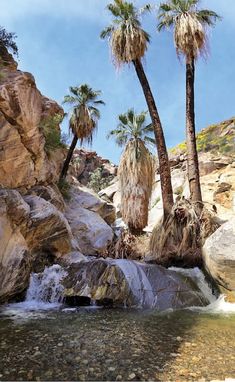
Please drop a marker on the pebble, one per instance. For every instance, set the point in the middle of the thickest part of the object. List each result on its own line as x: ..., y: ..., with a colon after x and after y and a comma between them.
x: 132, y: 376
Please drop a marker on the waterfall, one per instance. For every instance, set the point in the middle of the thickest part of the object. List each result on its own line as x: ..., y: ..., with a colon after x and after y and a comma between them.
x: 199, y: 278
x: 45, y: 289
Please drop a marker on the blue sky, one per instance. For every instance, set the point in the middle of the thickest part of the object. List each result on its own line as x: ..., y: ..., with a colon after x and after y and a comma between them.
x: 59, y: 44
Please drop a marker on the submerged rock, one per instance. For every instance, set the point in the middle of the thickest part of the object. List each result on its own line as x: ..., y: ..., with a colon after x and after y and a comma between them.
x: 130, y: 283
x: 219, y: 255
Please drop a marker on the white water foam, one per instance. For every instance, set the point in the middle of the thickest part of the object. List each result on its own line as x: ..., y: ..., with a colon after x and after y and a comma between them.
x: 217, y: 305
x: 199, y: 278
x: 45, y: 292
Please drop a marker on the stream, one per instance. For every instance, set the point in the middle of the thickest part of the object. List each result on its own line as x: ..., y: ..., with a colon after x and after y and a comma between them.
x: 42, y: 339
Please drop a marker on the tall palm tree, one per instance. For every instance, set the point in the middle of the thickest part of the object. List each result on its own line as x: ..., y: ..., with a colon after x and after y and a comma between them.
x: 189, y: 24
x: 136, y: 169
x: 129, y: 43
x: 83, y: 119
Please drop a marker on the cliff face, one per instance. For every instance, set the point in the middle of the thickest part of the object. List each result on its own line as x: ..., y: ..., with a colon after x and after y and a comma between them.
x: 23, y: 110
x: 36, y: 225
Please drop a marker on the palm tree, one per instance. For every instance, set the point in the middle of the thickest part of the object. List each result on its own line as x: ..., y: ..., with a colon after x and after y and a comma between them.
x: 132, y: 126
x: 190, y: 38
x: 129, y: 43
x: 83, y: 119
x: 136, y: 169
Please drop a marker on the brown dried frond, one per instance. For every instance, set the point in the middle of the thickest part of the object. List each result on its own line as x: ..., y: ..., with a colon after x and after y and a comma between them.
x: 83, y: 125
x: 179, y: 240
x: 190, y: 36
x: 136, y: 175
x: 128, y: 44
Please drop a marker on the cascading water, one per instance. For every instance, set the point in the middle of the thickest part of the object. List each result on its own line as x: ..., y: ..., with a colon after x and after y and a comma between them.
x: 46, y: 287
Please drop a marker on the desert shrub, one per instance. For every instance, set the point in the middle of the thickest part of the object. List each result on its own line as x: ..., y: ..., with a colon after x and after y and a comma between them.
x: 97, y: 181
x: 50, y: 129
x: 64, y: 188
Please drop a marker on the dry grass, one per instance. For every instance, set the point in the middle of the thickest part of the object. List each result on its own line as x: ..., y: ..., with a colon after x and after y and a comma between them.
x: 83, y: 125
x: 190, y: 36
x: 179, y: 240
x: 128, y: 246
x: 136, y: 175
x: 128, y: 44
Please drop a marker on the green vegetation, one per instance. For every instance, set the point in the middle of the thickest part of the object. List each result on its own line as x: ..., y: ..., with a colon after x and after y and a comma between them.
x: 7, y: 40
x: 64, y: 188
x: 97, y: 181
x: 51, y: 132
x: 218, y: 139
x: 156, y: 202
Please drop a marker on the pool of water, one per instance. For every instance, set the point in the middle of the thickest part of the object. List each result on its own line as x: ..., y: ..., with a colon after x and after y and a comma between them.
x: 115, y: 344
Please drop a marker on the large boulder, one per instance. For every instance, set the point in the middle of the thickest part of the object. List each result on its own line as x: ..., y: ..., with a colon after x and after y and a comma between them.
x: 47, y: 228
x: 81, y: 196
x: 129, y: 283
x: 91, y: 232
x: 219, y: 255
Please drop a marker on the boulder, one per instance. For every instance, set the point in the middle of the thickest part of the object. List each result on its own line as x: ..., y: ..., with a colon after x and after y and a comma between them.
x: 219, y: 255
x: 81, y: 196
x: 47, y: 228
x: 91, y: 232
x: 129, y: 283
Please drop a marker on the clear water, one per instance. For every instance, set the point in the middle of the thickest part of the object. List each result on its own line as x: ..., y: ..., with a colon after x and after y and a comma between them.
x: 40, y: 339
x: 115, y: 344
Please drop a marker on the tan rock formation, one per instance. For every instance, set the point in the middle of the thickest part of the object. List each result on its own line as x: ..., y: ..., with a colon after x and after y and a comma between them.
x: 23, y: 160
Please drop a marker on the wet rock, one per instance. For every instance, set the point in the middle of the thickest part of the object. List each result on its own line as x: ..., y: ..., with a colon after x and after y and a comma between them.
x: 133, y: 284
x: 219, y: 255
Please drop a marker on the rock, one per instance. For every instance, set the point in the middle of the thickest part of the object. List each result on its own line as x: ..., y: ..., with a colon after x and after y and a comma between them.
x: 223, y: 195
x: 86, y: 162
x: 31, y: 231
x: 47, y: 228
x: 51, y: 194
x: 110, y: 190
x: 219, y: 255
x: 91, y: 232
x: 23, y: 160
x: 124, y: 282
x: 14, y: 254
x: 81, y: 196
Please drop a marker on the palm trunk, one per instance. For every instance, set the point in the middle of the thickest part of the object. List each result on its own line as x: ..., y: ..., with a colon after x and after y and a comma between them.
x: 192, y: 156
x: 68, y: 159
x: 164, y: 167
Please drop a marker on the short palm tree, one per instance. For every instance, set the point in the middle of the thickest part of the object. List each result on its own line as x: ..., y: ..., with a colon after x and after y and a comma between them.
x: 132, y: 126
x: 83, y: 119
x: 129, y: 43
x: 190, y: 38
x: 136, y: 169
